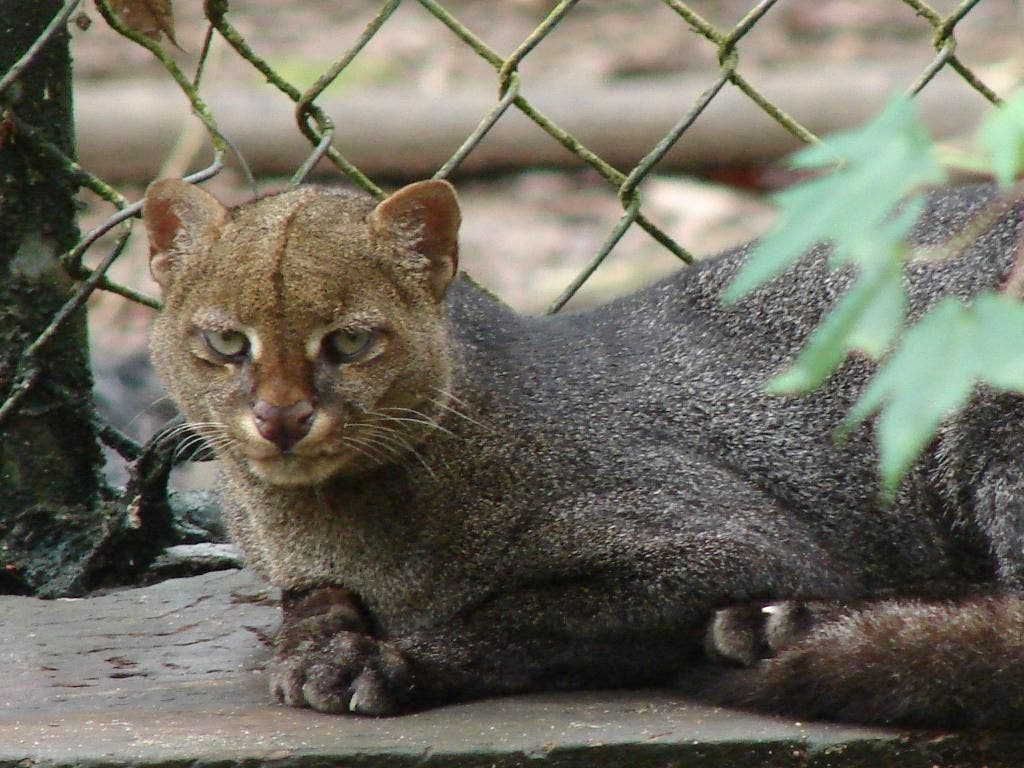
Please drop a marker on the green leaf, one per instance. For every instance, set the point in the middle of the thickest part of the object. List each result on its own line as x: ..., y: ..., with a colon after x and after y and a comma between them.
x: 928, y: 377
x: 957, y: 159
x: 897, y: 121
x: 822, y: 355
x: 1001, y: 139
x: 881, y: 320
x: 868, y: 318
x: 880, y: 164
x: 933, y: 373
x: 885, y: 244
x: 939, y: 361
x: 793, y: 236
x: 1000, y: 321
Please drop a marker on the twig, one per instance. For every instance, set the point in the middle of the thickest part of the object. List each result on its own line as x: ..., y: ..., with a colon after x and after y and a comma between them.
x: 216, y: 12
x: 975, y: 228
x: 149, y: 471
x: 117, y: 440
x: 199, y: 107
x: 1014, y: 284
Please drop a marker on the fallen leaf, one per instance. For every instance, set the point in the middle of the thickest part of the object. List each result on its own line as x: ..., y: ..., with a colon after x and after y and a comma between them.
x: 148, y: 17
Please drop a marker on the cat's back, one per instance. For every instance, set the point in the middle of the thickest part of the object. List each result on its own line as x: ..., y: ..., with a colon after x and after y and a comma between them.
x: 648, y: 386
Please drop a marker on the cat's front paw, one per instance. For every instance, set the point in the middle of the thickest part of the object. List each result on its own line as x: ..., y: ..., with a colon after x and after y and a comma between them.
x: 317, y: 614
x: 350, y: 672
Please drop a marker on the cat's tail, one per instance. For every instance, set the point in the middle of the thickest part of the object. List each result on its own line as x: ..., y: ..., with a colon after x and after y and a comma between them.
x: 938, y: 664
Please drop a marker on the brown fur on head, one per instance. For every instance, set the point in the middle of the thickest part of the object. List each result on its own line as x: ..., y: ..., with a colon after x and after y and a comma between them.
x: 304, y: 333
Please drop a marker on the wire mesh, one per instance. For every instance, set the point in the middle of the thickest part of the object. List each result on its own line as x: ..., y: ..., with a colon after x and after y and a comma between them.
x: 326, y: 141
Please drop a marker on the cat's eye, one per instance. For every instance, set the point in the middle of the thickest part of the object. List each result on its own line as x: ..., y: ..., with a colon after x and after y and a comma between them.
x: 346, y: 345
x: 231, y: 345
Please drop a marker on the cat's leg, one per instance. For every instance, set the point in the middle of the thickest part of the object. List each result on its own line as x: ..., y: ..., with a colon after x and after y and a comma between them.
x: 999, y: 509
x: 641, y: 625
x: 979, y: 466
x: 628, y: 611
x: 319, y: 627
x: 562, y: 635
x: 953, y: 663
x: 609, y: 590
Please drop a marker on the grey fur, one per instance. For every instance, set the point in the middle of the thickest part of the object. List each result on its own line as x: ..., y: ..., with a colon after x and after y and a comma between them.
x: 605, y: 481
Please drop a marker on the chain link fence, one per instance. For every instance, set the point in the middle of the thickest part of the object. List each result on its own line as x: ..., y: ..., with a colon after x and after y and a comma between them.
x: 328, y: 141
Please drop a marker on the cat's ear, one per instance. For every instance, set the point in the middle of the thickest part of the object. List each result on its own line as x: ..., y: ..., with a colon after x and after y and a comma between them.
x: 426, y: 217
x: 178, y: 217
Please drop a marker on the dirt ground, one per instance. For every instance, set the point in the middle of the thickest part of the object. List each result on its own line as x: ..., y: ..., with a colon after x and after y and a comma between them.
x: 526, y: 234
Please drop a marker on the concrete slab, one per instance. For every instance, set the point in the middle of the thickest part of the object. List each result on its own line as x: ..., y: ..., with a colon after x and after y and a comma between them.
x: 172, y: 674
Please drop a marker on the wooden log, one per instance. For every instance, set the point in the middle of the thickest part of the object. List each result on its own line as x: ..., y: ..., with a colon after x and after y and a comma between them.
x: 126, y: 128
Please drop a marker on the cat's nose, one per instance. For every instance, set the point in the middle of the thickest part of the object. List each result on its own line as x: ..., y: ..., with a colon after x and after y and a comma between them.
x: 283, y: 425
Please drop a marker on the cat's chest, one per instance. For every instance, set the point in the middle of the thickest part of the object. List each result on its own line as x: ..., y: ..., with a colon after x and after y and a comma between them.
x: 366, y: 539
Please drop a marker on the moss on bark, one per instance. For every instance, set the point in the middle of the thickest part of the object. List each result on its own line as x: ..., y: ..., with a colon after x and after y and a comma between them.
x: 49, y: 455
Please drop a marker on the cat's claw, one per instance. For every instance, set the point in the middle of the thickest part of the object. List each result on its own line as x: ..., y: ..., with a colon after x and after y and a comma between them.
x: 370, y: 696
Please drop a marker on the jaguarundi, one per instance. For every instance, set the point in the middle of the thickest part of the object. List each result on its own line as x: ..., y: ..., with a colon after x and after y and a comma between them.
x: 458, y: 501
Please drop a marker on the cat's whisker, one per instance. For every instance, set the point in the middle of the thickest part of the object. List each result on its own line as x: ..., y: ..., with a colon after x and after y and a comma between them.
x: 189, y: 444
x: 179, y: 451
x: 393, y: 435
x: 400, y: 409
x: 447, y: 394
x: 381, y: 437
x: 182, y: 436
x: 390, y: 433
x: 423, y: 419
x: 374, y: 422
x: 387, y: 451
x: 426, y: 466
x: 204, y: 430
x: 456, y: 412
x: 365, y: 447
x: 415, y: 413
x: 212, y: 434
x: 358, y: 450
x: 396, y: 435
x: 176, y: 431
x: 223, y: 442
x: 147, y: 409
x: 197, y: 427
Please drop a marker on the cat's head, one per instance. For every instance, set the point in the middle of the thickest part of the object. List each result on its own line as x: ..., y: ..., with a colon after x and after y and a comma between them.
x: 304, y: 334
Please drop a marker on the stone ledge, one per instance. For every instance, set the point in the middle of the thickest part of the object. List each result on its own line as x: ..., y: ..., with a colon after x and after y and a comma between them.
x: 172, y: 675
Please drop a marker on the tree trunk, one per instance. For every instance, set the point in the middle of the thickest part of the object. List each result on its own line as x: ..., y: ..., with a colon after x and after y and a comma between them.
x: 51, y: 490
